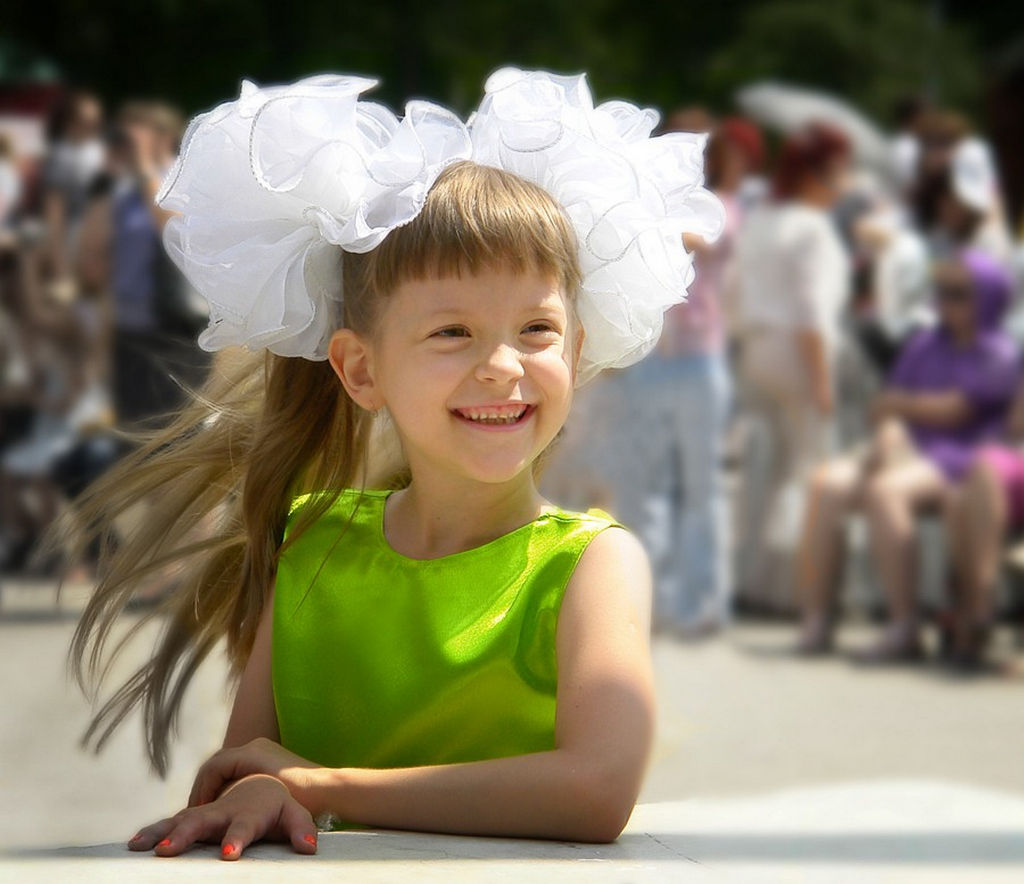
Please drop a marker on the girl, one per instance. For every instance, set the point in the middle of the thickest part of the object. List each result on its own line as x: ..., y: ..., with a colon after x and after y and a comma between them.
x: 403, y: 652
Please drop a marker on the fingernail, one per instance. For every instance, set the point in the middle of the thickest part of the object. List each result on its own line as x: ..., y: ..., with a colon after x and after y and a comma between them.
x: 166, y: 842
x: 135, y: 837
x: 310, y: 839
x: 226, y: 849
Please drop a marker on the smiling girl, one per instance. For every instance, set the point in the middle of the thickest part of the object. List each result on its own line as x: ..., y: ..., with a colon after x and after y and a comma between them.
x: 439, y: 647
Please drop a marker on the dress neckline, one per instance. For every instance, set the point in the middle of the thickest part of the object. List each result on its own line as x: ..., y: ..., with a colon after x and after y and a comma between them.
x: 378, y: 523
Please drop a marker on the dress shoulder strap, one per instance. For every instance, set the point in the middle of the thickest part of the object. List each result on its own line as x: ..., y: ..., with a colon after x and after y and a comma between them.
x: 351, y: 505
x: 604, y: 514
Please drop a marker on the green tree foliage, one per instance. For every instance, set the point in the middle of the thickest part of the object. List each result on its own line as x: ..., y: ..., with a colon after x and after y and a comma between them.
x: 871, y: 52
x: 195, y: 52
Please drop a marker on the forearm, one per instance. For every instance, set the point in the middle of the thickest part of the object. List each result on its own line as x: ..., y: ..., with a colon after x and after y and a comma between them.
x: 930, y: 409
x: 548, y: 794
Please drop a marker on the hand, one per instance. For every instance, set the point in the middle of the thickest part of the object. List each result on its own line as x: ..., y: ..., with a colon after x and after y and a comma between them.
x: 890, y: 443
x: 255, y: 807
x: 257, y: 756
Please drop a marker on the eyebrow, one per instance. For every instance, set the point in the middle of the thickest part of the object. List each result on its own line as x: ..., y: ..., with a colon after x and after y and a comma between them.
x: 446, y: 310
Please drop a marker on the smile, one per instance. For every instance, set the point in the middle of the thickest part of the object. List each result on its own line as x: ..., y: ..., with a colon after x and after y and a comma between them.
x: 507, y: 415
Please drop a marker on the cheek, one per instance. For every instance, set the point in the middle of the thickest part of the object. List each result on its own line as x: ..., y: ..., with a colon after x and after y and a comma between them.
x: 553, y: 369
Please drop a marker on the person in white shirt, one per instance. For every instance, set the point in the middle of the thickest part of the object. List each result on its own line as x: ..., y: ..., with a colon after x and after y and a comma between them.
x: 793, y: 277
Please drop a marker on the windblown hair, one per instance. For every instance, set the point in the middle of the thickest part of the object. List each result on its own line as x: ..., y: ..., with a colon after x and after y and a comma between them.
x: 259, y: 431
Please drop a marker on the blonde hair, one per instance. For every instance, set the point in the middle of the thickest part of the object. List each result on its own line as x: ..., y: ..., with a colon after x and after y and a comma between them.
x: 255, y: 435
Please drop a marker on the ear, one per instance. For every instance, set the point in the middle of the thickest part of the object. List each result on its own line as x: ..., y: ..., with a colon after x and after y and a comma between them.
x: 351, y: 357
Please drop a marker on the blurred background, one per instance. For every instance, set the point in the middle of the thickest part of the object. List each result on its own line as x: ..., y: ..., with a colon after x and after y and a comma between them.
x: 826, y: 463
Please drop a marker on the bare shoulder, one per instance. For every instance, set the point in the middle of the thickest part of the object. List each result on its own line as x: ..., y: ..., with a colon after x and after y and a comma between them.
x: 610, y: 586
x: 606, y: 704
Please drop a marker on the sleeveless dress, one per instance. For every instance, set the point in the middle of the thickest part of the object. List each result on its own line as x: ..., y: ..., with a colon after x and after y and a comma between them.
x: 380, y: 660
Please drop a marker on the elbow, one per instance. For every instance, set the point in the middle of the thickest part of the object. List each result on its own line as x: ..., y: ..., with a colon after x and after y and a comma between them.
x: 603, y: 807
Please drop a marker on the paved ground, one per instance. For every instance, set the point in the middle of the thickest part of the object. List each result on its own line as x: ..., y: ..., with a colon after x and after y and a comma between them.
x: 740, y: 724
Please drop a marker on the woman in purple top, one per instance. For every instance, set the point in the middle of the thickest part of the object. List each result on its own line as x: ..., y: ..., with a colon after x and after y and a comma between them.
x: 948, y: 394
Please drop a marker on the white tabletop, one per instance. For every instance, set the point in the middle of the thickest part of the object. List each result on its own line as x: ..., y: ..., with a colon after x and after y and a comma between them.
x: 910, y: 830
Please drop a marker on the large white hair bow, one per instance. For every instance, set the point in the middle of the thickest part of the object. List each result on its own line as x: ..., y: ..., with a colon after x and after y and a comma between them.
x: 271, y: 184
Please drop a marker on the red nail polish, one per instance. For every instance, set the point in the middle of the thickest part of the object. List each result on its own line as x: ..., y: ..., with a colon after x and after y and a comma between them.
x: 227, y: 849
x: 135, y: 838
x: 310, y: 839
x: 164, y: 843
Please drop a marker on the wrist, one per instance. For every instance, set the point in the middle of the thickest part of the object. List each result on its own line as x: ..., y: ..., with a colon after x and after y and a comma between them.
x: 320, y: 791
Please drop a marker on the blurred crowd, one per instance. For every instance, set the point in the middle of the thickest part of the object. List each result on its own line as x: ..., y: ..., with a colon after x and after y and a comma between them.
x: 848, y: 356
x: 846, y: 366
x: 97, y: 325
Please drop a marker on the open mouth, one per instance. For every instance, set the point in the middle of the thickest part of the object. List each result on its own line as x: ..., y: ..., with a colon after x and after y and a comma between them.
x: 496, y: 415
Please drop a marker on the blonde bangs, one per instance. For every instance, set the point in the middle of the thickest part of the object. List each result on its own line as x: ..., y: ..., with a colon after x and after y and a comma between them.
x: 479, y: 218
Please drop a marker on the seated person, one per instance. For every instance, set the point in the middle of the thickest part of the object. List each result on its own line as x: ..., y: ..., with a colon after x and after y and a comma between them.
x: 988, y: 508
x: 948, y: 394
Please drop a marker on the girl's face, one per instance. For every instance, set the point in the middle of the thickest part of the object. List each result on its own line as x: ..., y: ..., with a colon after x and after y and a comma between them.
x: 476, y: 372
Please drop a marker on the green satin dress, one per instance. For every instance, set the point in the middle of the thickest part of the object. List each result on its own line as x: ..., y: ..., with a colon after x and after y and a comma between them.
x: 380, y: 660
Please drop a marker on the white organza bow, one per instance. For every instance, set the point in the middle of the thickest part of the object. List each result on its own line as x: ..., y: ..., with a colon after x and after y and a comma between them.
x: 271, y: 184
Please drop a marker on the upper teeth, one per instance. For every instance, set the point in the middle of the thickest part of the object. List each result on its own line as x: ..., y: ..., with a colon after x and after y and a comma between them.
x: 504, y: 415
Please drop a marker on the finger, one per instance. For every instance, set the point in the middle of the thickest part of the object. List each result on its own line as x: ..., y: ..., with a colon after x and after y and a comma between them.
x: 240, y: 834
x: 297, y: 825
x: 197, y: 824
x: 217, y: 770
x: 149, y: 835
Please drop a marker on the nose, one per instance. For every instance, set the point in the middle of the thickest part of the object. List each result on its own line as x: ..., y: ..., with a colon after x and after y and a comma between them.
x: 500, y: 363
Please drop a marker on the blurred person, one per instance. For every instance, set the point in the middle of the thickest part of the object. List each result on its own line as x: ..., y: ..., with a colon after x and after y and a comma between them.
x: 121, y: 251
x: 64, y: 371
x: 10, y: 181
x: 17, y: 395
x: 905, y: 147
x: 735, y: 162
x: 793, y: 277
x: 895, y: 297
x: 75, y: 155
x: 948, y: 394
x: 986, y: 512
x: 969, y: 208
x: 671, y: 417
x: 938, y: 133
x: 121, y: 257
x: 955, y: 200
x: 55, y: 389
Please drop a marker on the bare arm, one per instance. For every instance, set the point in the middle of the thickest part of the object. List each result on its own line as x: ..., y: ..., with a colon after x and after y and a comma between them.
x: 584, y: 789
x: 253, y: 713
x: 945, y: 409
